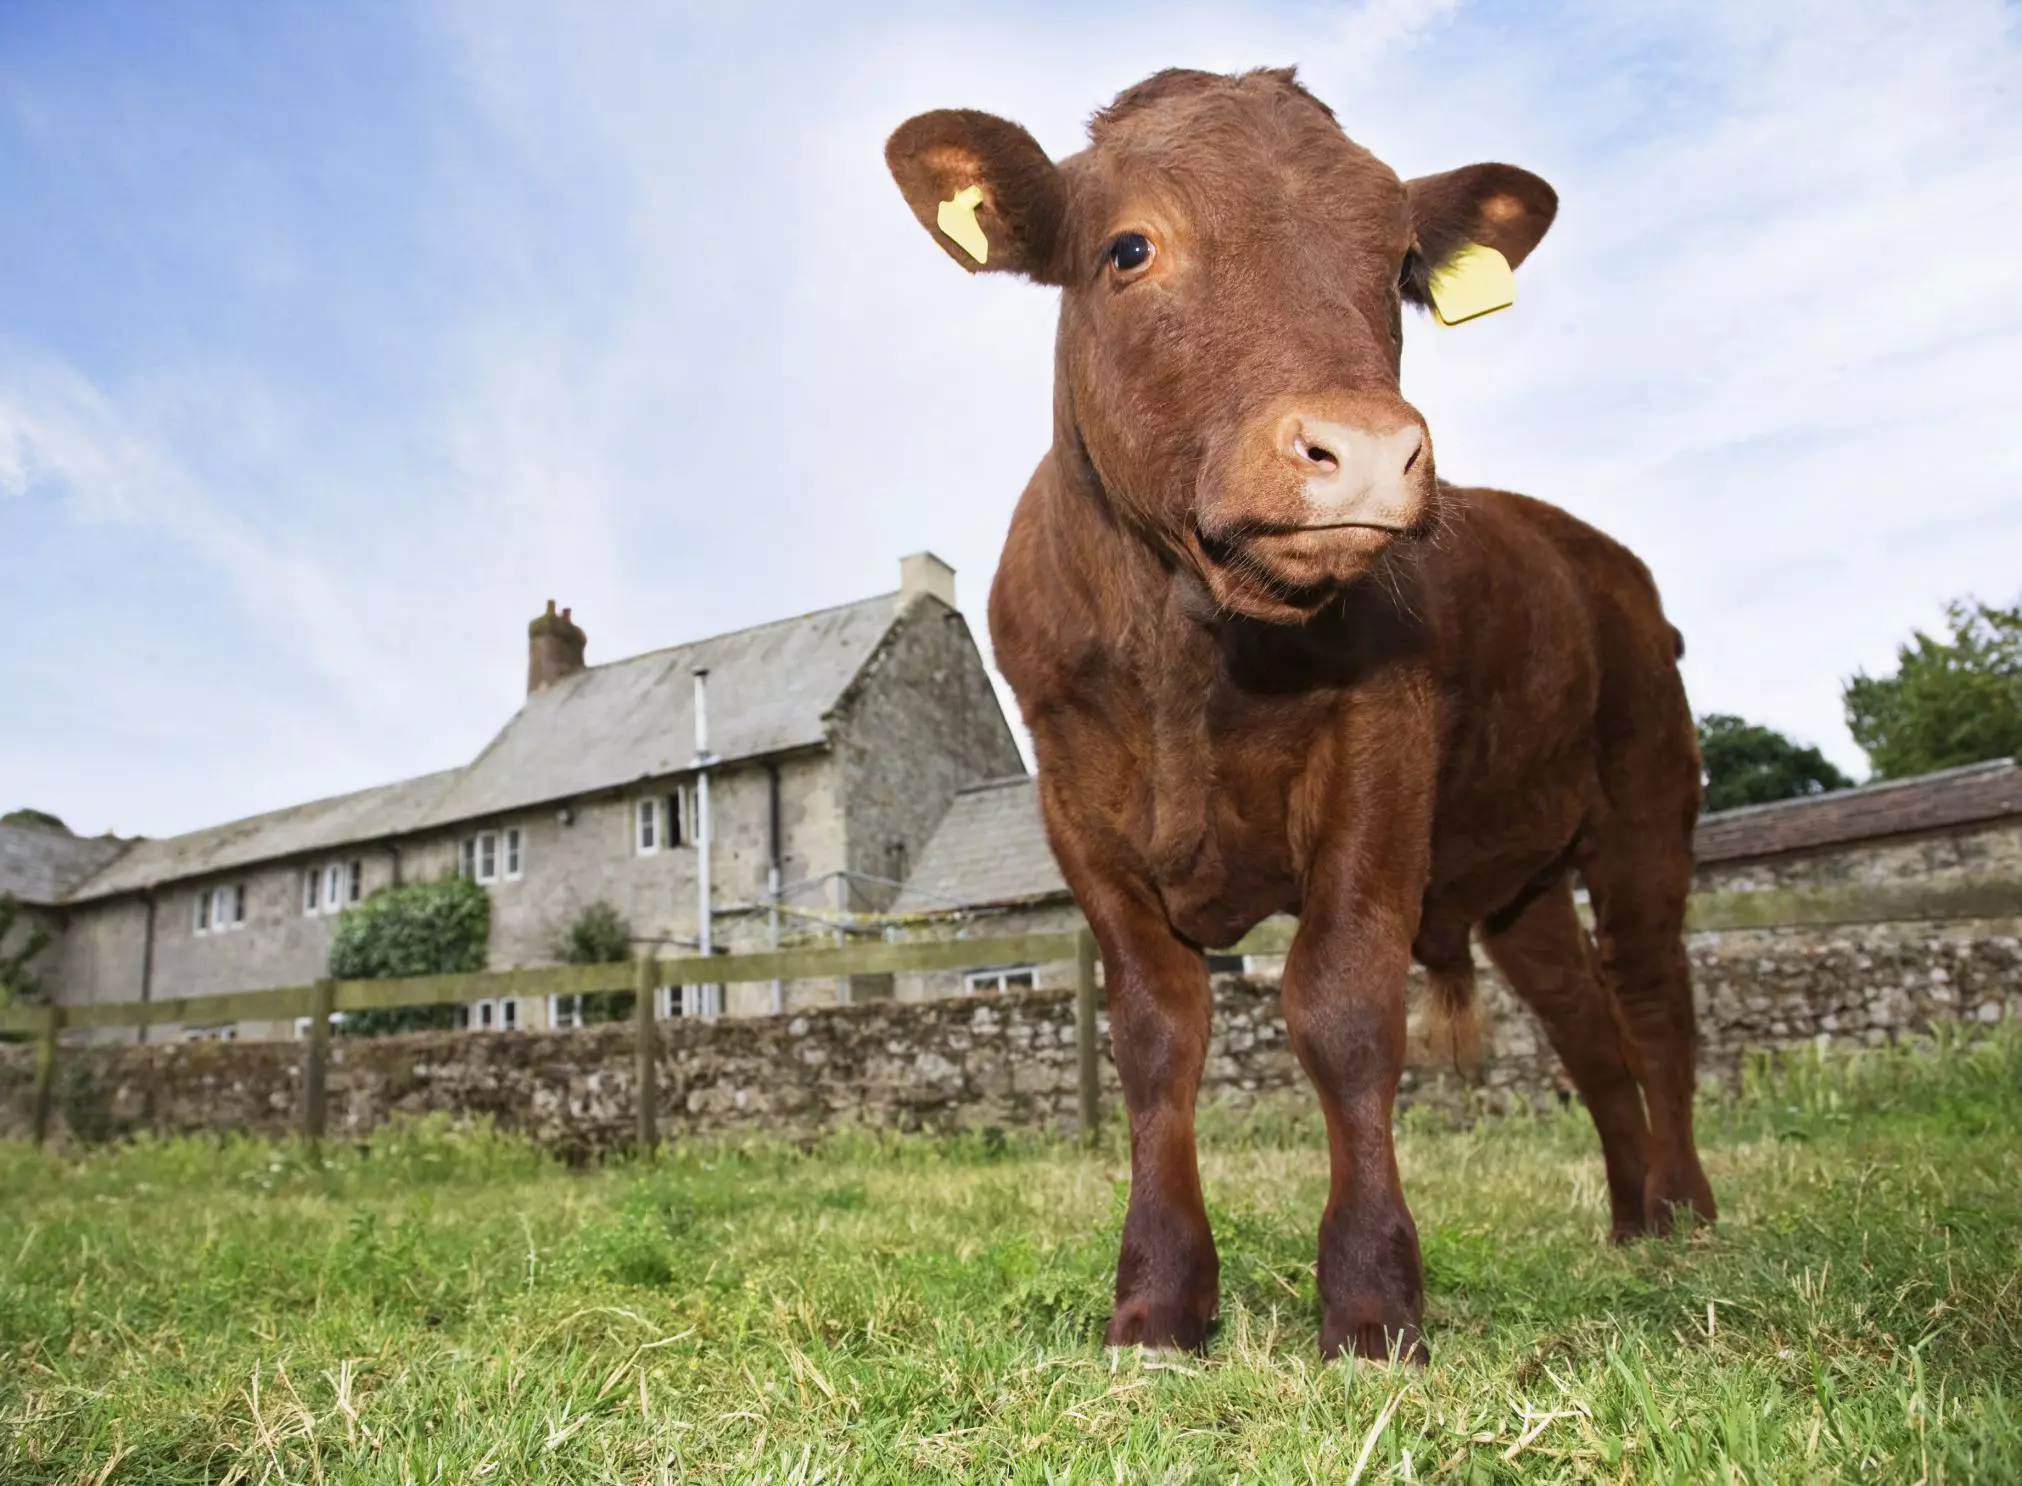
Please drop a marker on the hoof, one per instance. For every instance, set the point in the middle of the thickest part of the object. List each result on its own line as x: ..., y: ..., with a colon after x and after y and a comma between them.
x: 1159, y: 1326
x: 1399, y: 1340
x: 1664, y: 1208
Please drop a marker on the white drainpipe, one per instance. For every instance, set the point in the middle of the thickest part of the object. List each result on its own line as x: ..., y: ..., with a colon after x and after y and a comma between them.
x: 705, y: 914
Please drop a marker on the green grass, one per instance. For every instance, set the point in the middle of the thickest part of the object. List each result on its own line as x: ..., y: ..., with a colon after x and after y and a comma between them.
x: 456, y: 1307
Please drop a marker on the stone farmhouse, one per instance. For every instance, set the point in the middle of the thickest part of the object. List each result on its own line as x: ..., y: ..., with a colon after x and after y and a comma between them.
x: 837, y: 741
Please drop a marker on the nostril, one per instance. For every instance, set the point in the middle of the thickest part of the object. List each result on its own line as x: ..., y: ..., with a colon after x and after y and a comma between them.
x: 1410, y: 463
x: 1317, y: 453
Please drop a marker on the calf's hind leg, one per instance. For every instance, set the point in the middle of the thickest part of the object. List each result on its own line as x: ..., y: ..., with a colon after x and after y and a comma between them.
x: 1639, y: 885
x: 1543, y: 952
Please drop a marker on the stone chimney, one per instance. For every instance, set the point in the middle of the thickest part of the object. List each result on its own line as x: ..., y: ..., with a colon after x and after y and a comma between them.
x: 923, y: 573
x: 554, y: 649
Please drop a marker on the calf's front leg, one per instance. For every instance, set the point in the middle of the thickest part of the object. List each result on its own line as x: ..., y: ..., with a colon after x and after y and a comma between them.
x: 1168, y: 1278
x: 1344, y: 1009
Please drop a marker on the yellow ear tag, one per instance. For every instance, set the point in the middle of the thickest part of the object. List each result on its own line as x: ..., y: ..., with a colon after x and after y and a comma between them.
x: 957, y: 218
x: 1473, y: 282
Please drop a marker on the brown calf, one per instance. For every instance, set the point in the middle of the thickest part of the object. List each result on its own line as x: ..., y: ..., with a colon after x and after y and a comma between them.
x: 1271, y: 664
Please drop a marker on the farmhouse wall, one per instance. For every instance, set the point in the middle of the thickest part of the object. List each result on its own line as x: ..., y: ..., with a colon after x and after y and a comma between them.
x: 568, y: 865
x: 972, y: 1062
x: 921, y: 722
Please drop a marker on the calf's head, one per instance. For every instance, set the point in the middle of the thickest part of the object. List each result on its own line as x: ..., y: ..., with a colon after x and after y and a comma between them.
x: 1233, y: 269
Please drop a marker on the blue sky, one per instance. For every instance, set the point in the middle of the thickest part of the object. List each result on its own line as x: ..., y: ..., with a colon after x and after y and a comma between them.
x: 336, y: 339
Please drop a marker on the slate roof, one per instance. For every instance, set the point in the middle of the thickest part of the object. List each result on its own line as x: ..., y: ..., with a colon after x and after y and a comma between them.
x: 340, y: 820
x: 1971, y: 795
x: 771, y: 689
x: 39, y: 864
x: 989, y: 851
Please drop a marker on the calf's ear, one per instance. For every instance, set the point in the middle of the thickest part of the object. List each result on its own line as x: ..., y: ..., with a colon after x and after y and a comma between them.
x: 983, y: 189
x: 1492, y: 206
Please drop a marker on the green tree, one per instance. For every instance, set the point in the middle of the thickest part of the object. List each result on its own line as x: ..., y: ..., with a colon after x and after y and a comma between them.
x: 17, y: 982
x: 425, y: 928
x: 1951, y: 702
x: 1749, y: 764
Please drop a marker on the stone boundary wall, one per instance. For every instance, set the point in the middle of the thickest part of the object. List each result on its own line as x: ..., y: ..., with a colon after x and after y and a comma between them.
x: 971, y: 1063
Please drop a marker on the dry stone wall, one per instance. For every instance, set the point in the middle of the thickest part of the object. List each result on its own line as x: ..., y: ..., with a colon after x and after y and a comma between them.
x: 966, y: 1063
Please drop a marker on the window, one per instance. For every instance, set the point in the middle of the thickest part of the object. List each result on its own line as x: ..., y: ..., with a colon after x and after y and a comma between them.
x: 666, y: 822
x: 331, y: 887
x: 490, y: 1016
x: 225, y: 1033
x: 565, y: 1013
x: 512, y: 854
x: 703, y: 1001
x: 1004, y: 978
x: 479, y: 856
x: 302, y: 1025
x: 682, y: 829
x: 220, y: 908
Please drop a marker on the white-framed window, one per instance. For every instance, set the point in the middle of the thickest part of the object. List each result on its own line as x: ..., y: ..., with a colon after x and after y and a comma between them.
x: 220, y: 908
x: 665, y: 821
x: 502, y: 1015
x: 489, y: 857
x: 1002, y: 978
x: 332, y: 887
x: 703, y: 1001
x: 228, y: 1032
x: 565, y: 1013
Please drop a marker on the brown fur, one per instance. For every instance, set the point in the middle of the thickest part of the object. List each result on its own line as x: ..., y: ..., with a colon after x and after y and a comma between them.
x: 1398, y: 735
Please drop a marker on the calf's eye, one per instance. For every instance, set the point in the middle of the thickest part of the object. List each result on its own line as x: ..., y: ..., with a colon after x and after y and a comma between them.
x: 1130, y: 252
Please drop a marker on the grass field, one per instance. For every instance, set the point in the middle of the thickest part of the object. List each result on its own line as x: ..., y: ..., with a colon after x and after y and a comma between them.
x: 458, y: 1308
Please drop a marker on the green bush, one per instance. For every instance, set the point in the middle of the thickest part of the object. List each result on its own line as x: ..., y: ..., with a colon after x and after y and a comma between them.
x: 425, y: 928
x: 598, y: 936
x: 17, y: 983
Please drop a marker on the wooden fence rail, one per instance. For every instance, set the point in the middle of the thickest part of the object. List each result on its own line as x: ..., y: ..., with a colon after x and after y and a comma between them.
x: 318, y: 1001
x: 1812, y: 907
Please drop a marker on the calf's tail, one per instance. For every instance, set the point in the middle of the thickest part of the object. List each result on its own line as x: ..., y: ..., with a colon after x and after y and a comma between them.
x: 1451, y: 1026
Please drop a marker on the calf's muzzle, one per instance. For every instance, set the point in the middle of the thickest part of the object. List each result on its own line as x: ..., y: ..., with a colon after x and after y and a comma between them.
x: 1353, y: 475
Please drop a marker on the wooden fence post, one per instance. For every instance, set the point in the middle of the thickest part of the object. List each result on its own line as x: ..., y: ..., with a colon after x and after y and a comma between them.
x: 1084, y: 1032
x: 45, y: 1070
x: 316, y: 1062
x: 646, y: 1042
